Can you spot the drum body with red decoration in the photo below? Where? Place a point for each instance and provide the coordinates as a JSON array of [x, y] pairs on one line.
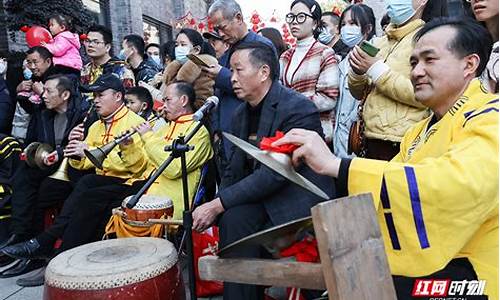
[[125, 269], [148, 207]]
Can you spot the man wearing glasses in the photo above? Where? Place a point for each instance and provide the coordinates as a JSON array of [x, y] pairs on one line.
[[98, 47], [228, 21]]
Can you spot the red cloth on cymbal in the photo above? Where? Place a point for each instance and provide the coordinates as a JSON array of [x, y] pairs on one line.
[[303, 251], [265, 144]]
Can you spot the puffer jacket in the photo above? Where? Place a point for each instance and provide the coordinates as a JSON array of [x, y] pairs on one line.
[[65, 47], [390, 107]]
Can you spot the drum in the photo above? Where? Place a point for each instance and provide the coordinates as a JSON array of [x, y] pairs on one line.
[[148, 207], [125, 269]]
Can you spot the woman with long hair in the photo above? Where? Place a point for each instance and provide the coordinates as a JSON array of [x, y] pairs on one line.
[[486, 12]]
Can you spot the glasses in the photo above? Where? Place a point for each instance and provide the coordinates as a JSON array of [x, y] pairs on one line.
[[93, 42], [300, 17]]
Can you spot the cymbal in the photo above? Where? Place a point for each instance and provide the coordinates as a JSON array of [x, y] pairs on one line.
[[273, 239], [278, 162], [30, 154], [41, 152]]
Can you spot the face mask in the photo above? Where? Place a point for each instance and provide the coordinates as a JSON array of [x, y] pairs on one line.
[[122, 55], [27, 74], [351, 35], [3, 67], [181, 53], [325, 37], [156, 59], [399, 11]]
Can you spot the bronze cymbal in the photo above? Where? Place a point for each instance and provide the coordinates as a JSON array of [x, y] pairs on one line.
[[273, 239], [30, 151], [278, 162], [41, 152]]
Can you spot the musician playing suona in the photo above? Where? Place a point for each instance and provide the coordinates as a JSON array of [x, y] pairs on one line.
[[437, 200], [178, 110], [33, 189], [251, 196], [87, 209]]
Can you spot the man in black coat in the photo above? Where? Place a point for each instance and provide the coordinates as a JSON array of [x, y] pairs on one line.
[[252, 197], [33, 189]]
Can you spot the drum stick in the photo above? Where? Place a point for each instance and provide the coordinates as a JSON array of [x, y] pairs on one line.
[[165, 221]]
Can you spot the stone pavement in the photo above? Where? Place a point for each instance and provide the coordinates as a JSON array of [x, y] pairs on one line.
[[10, 290]]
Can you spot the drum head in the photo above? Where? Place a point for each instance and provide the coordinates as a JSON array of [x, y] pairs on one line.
[[150, 202], [110, 263]]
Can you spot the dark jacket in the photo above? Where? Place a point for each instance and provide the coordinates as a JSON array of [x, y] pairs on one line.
[[30, 108], [146, 70], [283, 109], [44, 132], [7, 108], [221, 117]]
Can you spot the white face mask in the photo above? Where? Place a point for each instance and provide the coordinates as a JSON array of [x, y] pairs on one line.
[[3, 67], [351, 35], [181, 53]]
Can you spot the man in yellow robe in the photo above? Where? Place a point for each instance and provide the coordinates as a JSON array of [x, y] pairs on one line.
[[178, 110], [437, 200]]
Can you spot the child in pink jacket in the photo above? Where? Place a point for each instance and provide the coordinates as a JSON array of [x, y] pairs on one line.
[[65, 46]]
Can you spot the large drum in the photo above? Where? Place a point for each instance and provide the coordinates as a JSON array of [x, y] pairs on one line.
[[125, 269]]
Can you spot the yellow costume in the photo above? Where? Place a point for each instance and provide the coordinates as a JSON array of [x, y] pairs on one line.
[[127, 161], [438, 198], [170, 182]]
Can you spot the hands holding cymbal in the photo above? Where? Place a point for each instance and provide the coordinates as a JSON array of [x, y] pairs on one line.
[[312, 150]]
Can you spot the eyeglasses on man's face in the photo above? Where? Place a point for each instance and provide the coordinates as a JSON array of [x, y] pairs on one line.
[[93, 42], [300, 17]]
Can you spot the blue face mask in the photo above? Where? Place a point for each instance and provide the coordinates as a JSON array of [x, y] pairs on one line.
[[399, 11], [351, 35], [156, 59], [181, 53], [325, 37], [27, 74], [121, 55]]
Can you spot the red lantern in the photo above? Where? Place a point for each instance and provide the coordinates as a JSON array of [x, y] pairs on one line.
[[255, 28], [83, 37], [262, 25], [336, 10], [201, 26], [36, 34], [192, 22], [25, 28], [273, 19]]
